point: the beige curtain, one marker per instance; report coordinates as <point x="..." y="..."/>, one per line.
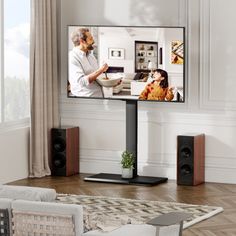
<point x="43" y="84"/>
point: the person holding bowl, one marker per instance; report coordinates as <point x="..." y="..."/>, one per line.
<point x="83" y="66"/>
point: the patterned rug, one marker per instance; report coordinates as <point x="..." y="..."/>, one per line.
<point x="106" y="213"/>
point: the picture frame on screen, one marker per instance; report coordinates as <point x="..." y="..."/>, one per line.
<point x="116" y="53"/>
<point x="151" y="60"/>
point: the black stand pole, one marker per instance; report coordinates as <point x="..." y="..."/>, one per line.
<point x="131" y="145"/>
<point x="132" y="131"/>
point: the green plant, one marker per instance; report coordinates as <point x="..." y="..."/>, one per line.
<point x="127" y="160"/>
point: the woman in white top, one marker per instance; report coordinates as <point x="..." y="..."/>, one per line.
<point x="83" y="66"/>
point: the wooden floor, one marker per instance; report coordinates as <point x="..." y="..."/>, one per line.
<point x="223" y="195"/>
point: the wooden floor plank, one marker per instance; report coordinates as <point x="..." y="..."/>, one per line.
<point x="223" y="195"/>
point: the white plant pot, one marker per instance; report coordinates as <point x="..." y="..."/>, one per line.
<point x="127" y="173"/>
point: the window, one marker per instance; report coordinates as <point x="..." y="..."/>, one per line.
<point x="14" y="60"/>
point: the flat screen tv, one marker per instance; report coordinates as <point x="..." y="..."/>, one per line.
<point x="144" y="63"/>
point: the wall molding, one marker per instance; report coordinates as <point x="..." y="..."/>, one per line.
<point x="110" y="164"/>
<point x="159" y="123"/>
<point x="157" y="116"/>
<point x="162" y="126"/>
<point x="207" y="100"/>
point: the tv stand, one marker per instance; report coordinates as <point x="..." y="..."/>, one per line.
<point x="131" y="146"/>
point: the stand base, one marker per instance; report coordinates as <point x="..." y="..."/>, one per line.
<point x="114" y="178"/>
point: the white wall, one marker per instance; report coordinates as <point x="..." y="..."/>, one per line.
<point x="124" y="42"/>
<point x="14" y="155"/>
<point x="210" y="105"/>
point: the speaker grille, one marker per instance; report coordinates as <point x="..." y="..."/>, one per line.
<point x="59" y="145"/>
<point x="185" y="160"/>
<point x="59" y="161"/>
<point x="186" y="152"/>
<point x="65" y="151"/>
<point x="186" y="170"/>
<point x="190" y="159"/>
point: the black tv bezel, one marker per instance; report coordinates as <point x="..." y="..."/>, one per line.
<point x="126" y="99"/>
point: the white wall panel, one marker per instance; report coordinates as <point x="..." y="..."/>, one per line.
<point x="14" y="155"/>
<point x="218" y="54"/>
<point x="210" y="83"/>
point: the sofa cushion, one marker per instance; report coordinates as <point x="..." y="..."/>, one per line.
<point x="27" y="193"/>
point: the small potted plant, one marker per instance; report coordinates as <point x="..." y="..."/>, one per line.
<point x="127" y="163"/>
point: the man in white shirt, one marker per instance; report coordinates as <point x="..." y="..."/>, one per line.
<point x="83" y="66"/>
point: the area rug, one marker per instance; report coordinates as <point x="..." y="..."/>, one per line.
<point x="107" y="213"/>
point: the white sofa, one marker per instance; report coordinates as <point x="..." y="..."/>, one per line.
<point x="9" y="200"/>
<point x="137" y="87"/>
<point x="33" y="209"/>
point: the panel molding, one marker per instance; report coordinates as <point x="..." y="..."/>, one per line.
<point x="162" y="122"/>
<point x="151" y="116"/>
<point x="109" y="164"/>
<point x="207" y="101"/>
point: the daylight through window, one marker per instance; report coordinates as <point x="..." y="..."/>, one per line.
<point x="15" y="32"/>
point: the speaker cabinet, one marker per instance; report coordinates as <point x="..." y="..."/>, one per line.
<point x="190" y="159"/>
<point x="65" y="151"/>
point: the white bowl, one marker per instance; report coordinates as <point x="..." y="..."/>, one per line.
<point x="110" y="82"/>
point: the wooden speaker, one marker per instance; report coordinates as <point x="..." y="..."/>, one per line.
<point x="65" y="151"/>
<point x="190" y="159"/>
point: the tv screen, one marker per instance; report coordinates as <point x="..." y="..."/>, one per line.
<point x="126" y="63"/>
